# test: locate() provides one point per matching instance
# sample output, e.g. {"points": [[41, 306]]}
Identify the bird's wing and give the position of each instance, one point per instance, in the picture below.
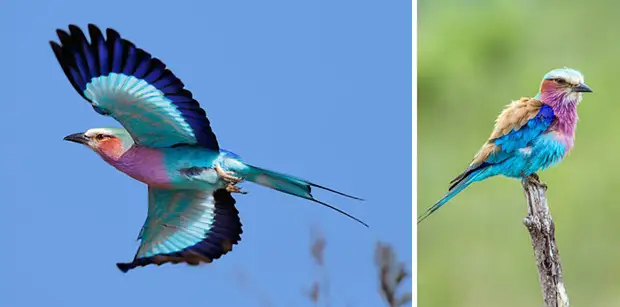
{"points": [[186, 226], [128, 84], [518, 124]]}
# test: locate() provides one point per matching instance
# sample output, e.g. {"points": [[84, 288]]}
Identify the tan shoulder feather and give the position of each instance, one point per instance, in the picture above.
{"points": [[513, 117]]}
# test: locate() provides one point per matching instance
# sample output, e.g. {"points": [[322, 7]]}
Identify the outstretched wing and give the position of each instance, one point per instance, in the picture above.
{"points": [[186, 226], [518, 124], [128, 84]]}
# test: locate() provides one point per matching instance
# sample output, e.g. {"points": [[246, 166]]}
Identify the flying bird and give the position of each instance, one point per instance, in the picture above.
{"points": [[167, 143], [530, 134]]}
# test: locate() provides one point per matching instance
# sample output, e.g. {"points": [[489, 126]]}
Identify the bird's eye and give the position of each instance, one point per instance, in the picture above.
{"points": [[99, 137], [560, 81]]}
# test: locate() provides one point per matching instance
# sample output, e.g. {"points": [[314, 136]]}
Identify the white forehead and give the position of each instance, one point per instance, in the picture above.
{"points": [[106, 131], [570, 75]]}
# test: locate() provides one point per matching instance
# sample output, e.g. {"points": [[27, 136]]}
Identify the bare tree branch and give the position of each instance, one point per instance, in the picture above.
{"points": [[542, 231]]}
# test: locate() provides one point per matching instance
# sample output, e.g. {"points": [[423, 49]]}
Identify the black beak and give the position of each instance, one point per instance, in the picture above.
{"points": [[582, 88], [79, 138]]}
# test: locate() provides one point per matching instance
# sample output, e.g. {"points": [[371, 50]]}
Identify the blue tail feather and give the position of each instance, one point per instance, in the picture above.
{"points": [[292, 185], [456, 188]]}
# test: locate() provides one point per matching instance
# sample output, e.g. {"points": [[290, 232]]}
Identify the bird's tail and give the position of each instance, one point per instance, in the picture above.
{"points": [[291, 185], [457, 187]]}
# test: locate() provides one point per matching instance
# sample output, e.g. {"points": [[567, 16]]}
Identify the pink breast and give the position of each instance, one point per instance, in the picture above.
{"points": [[145, 165]]}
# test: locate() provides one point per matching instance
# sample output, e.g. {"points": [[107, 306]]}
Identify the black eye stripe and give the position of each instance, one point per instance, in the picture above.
{"points": [[562, 81]]}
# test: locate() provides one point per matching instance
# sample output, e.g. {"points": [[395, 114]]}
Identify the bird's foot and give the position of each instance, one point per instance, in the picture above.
{"points": [[232, 188], [535, 180], [231, 180], [227, 175]]}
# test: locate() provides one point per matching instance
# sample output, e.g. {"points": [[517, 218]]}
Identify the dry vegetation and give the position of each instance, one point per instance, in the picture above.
{"points": [[391, 273]]}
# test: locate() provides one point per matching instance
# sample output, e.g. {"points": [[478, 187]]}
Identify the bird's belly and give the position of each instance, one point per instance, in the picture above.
{"points": [[544, 151]]}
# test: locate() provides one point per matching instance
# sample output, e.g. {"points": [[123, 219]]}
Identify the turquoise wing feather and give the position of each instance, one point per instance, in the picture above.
{"points": [[128, 84], [186, 226]]}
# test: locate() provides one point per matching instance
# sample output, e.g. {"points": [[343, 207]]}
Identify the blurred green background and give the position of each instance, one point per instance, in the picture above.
{"points": [[474, 57]]}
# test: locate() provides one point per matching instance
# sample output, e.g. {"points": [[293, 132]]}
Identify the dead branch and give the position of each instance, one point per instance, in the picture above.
{"points": [[542, 231]]}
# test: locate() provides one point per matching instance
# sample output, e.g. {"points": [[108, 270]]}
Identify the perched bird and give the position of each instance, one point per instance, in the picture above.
{"points": [[530, 134], [167, 143]]}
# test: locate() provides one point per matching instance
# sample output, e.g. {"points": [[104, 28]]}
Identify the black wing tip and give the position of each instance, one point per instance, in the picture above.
{"points": [[57, 49], [125, 267], [77, 34], [112, 33], [74, 31], [93, 27], [64, 37]]}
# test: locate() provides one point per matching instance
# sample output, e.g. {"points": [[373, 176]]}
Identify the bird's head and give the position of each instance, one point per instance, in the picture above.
{"points": [[108, 142], [563, 86]]}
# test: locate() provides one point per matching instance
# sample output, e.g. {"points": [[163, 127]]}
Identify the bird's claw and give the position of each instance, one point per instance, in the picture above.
{"points": [[231, 180], [227, 175], [535, 180], [232, 188]]}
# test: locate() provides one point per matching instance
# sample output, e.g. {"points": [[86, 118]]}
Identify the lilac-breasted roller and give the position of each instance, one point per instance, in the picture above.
{"points": [[167, 143], [530, 134]]}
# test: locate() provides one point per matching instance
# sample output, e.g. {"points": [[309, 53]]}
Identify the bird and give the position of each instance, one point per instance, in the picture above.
{"points": [[530, 135], [166, 142]]}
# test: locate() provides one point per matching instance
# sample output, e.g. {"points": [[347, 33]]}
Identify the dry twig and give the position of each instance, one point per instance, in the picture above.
{"points": [[542, 231], [391, 275], [320, 286]]}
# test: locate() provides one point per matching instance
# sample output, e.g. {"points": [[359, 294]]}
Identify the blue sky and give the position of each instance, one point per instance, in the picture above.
{"points": [[317, 89]]}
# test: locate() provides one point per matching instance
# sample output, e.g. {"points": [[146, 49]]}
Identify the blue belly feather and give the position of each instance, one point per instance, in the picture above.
{"points": [[541, 153]]}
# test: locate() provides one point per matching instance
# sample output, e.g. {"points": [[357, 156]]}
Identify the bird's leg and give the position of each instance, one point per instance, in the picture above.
{"points": [[231, 180], [534, 179], [226, 175]]}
